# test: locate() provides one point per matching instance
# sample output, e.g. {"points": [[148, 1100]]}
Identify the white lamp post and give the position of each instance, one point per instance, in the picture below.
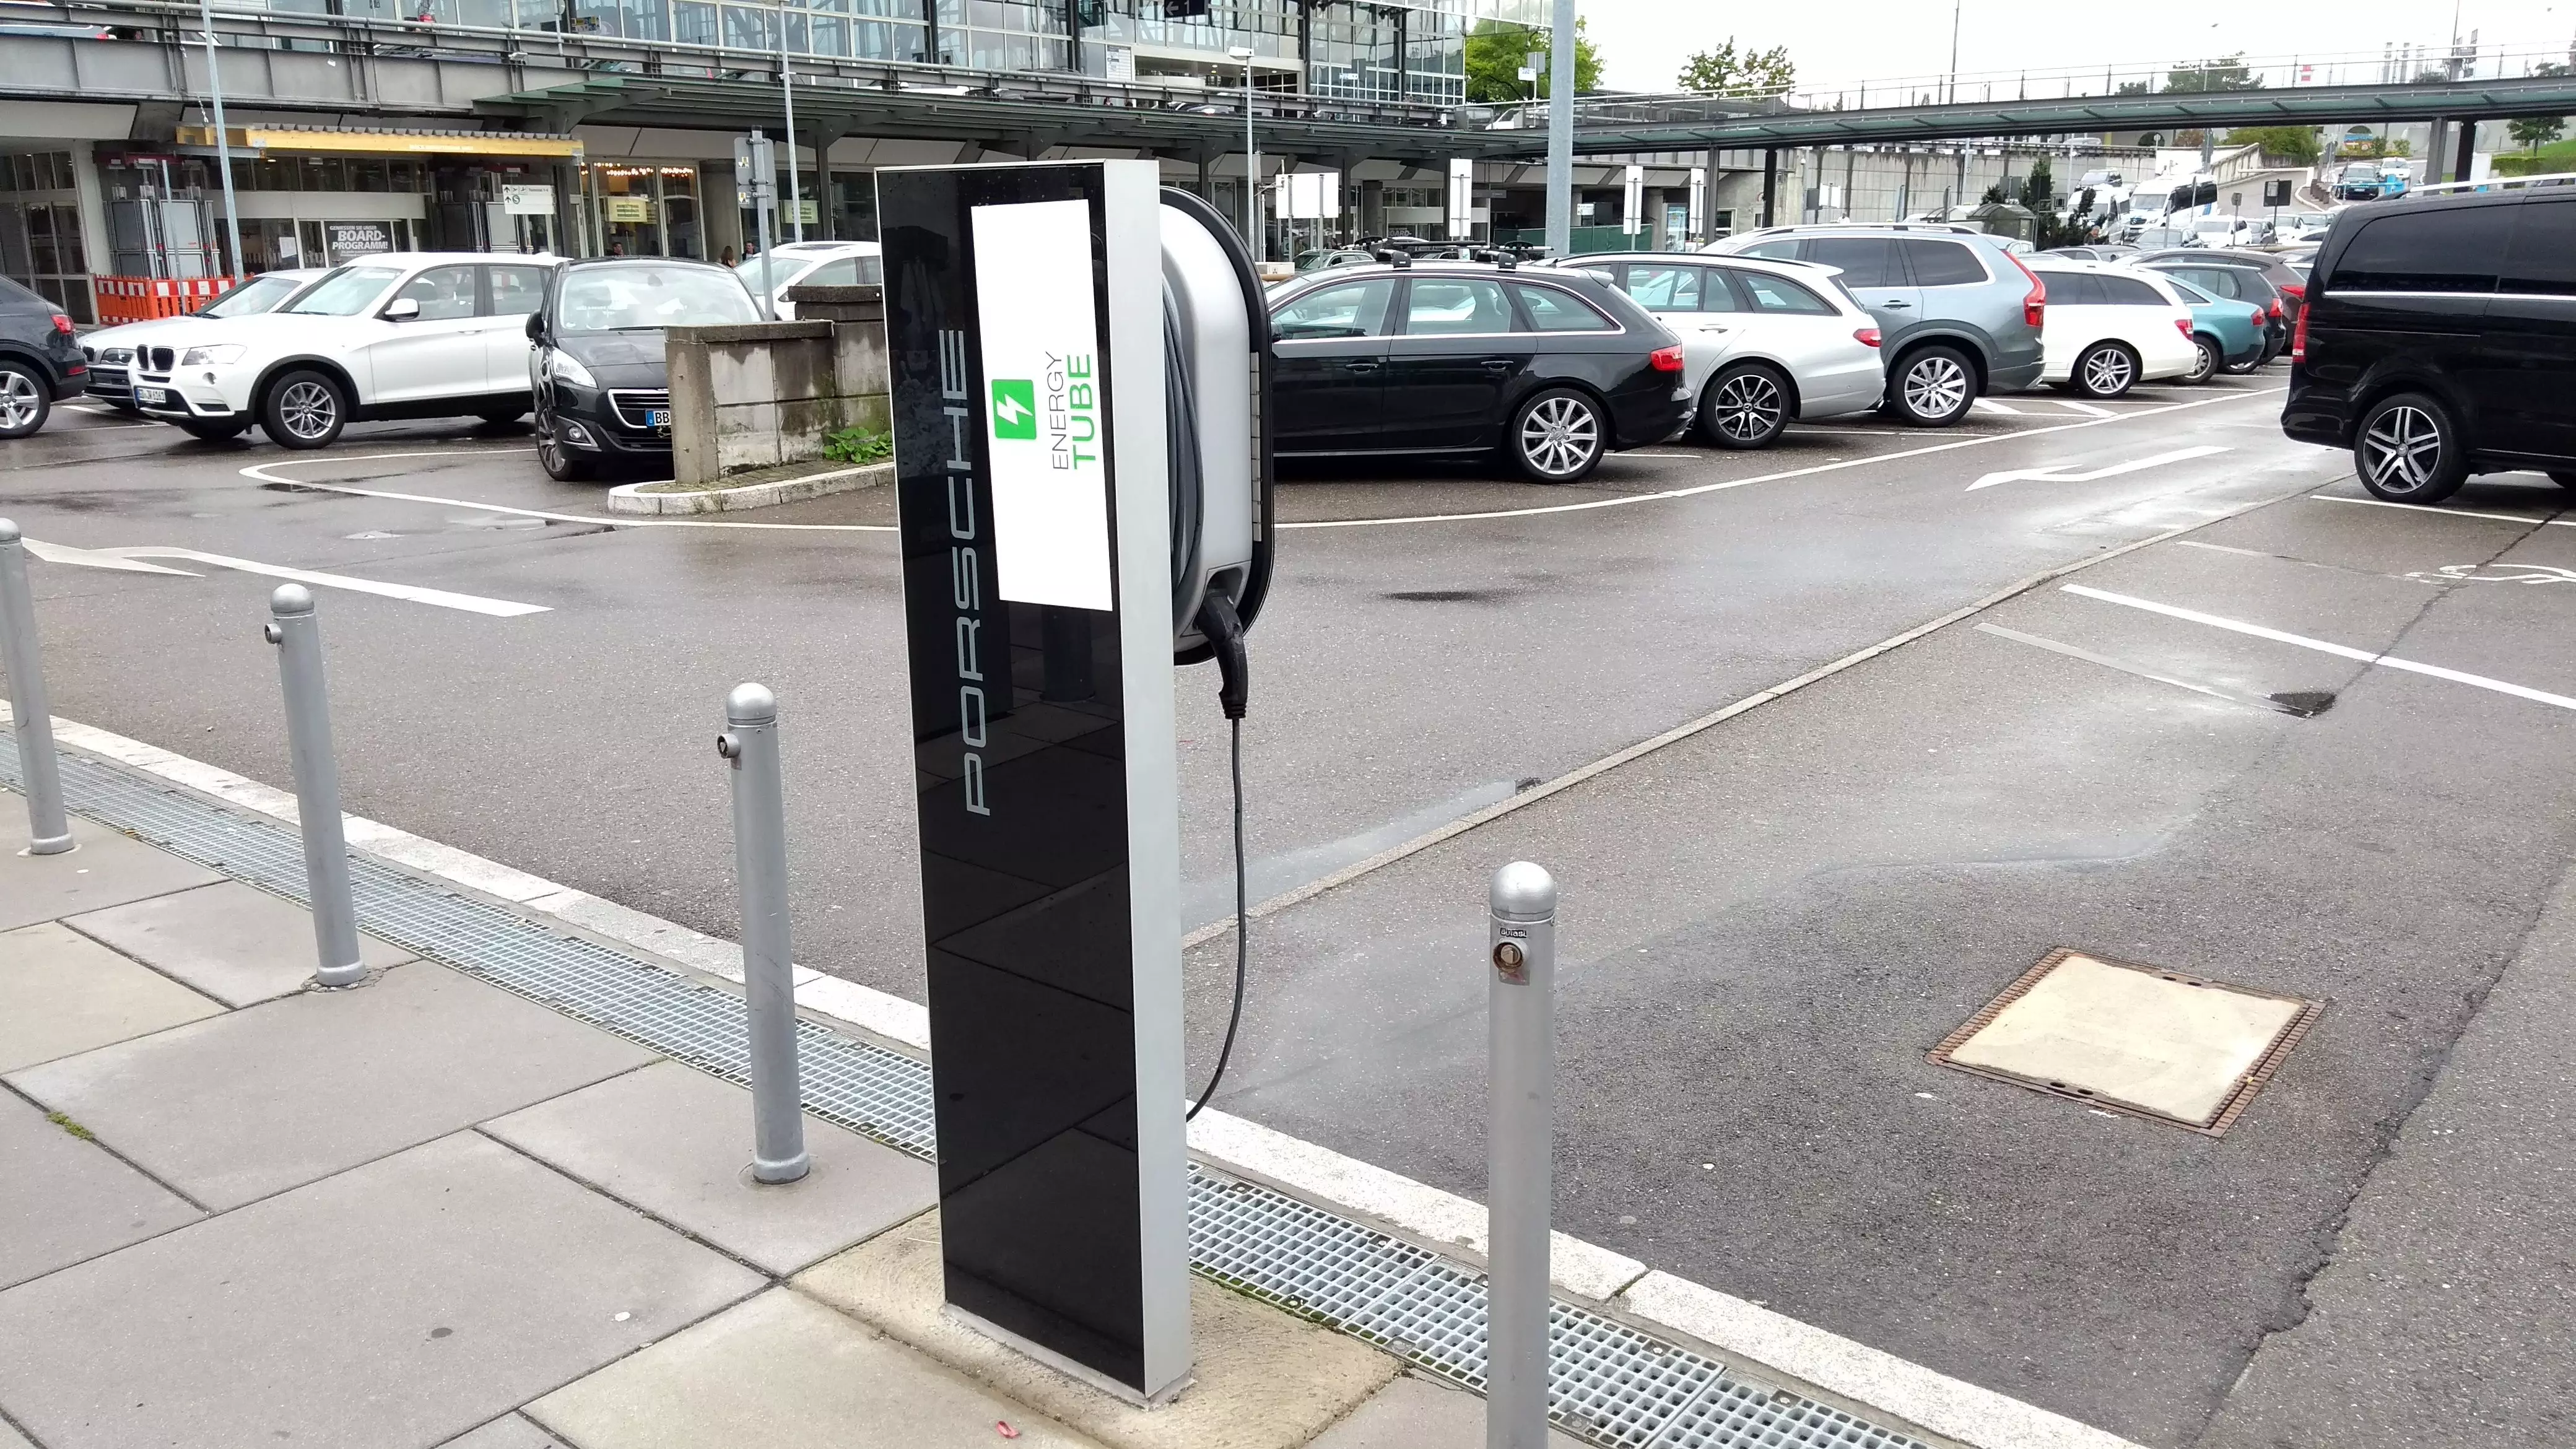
{"points": [[1251, 159]]}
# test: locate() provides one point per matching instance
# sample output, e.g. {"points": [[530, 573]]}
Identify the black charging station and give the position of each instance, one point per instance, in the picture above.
{"points": [[1079, 372]]}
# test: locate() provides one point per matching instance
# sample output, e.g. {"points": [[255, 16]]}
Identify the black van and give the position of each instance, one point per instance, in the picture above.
{"points": [[2439, 340]]}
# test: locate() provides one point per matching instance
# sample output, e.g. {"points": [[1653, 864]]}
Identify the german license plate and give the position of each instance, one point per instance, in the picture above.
{"points": [[659, 419], [153, 396]]}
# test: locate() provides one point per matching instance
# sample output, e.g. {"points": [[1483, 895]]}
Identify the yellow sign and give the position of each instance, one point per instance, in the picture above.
{"points": [[629, 208], [387, 143]]}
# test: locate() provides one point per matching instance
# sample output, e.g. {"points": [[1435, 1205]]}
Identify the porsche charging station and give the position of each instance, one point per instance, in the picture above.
{"points": [[1079, 364]]}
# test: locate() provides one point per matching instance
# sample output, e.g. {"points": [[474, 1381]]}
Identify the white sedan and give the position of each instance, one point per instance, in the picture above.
{"points": [[810, 264], [1763, 341], [397, 335], [2106, 329]]}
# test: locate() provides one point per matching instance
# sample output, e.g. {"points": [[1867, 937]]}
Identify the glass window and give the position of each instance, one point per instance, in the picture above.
{"points": [[2072, 289], [2130, 292], [1779, 294], [2220, 281], [251, 298], [641, 296], [1553, 311], [1354, 309], [444, 293], [1719, 294], [1941, 263], [2543, 256], [516, 291], [2426, 251], [1866, 261], [1661, 288], [1776, 250], [2190, 293], [346, 292], [1455, 306]]}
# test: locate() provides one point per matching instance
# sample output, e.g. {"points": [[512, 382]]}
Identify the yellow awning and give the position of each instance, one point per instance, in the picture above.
{"points": [[387, 143]]}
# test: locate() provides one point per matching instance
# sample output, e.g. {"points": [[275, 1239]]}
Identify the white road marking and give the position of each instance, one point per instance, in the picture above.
{"points": [[1989, 405], [2214, 691], [2341, 651], [2496, 573], [1628, 500], [124, 559], [2445, 512], [2060, 475], [258, 472], [2085, 408]]}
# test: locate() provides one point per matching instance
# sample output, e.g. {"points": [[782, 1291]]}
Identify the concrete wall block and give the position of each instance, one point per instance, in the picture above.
{"points": [[742, 371], [693, 412], [801, 369], [859, 357]]}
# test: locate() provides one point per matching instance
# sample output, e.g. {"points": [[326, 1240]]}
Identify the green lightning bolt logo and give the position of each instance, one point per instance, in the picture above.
{"points": [[1015, 409]]}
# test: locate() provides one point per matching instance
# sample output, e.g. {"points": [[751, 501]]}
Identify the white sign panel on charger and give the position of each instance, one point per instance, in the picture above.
{"points": [[1033, 280]]}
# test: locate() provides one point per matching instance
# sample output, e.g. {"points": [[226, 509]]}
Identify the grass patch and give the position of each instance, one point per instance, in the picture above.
{"points": [[70, 1126]]}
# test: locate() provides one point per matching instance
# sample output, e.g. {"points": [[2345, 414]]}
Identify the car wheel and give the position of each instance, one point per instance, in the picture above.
{"points": [[2563, 480], [2106, 370], [1557, 436], [2206, 360], [2409, 450], [1744, 407], [25, 400], [213, 431], [561, 463], [303, 410], [502, 415], [1932, 387]]}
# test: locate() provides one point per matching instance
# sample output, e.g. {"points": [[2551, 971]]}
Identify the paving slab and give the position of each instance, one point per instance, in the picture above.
{"points": [[510, 1431], [63, 993], [234, 942], [784, 1372], [65, 1199], [677, 1143], [12, 1439], [276, 1095], [1265, 1378], [103, 868], [1416, 1413], [394, 1306]]}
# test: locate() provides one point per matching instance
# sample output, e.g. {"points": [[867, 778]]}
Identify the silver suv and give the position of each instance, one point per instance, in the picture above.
{"points": [[1959, 312]]}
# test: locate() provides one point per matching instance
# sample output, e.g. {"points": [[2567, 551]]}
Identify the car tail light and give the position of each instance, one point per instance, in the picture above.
{"points": [[2035, 301], [62, 324], [2299, 338], [2297, 291], [1665, 359], [1868, 337], [2276, 309], [2183, 326]]}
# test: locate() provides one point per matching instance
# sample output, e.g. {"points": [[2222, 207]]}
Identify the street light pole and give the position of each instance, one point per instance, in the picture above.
{"points": [[1560, 132], [223, 141], [1955, 7], [787, 91], [1251, 160]]}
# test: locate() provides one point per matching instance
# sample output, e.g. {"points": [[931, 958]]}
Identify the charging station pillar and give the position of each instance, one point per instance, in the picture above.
{"points": [[1024, 314]]}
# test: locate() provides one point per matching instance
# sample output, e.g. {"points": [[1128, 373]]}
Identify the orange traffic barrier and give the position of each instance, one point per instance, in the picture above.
{"points": [[141, 299]]}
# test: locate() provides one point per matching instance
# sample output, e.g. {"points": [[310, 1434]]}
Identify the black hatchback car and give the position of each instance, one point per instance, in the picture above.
{"points": [[603, 392], [1549, 370], [2439, 341], [39, 360]]}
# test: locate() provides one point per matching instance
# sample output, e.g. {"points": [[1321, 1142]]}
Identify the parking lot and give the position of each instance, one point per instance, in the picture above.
{"points": [[2154, 720]]}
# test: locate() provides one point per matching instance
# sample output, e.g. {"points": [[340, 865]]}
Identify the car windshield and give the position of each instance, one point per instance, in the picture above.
{"points": [[251, 298], [786, 267], [346, 292], [641, 297]]}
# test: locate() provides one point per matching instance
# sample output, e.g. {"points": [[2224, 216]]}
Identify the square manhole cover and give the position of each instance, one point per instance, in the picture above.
{"points": [[2132, 1038]]}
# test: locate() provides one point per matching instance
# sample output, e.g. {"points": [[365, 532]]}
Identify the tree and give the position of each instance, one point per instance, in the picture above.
{"points": [[2226, 73], [2291, 143], [1497, 49], [1726, 71], [2535, 132]]}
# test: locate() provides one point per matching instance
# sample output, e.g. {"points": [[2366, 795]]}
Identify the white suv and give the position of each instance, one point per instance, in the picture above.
{"points": [[400, 335], [813, 263]]}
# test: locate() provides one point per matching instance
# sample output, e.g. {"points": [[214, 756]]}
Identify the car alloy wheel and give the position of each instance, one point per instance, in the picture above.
{"points": [[308, 410], [2205, 360], [561, 463], [1559, 437], [1936, 387], [2106, 371], [23, 403], [2401, 451], [1747, 408]]}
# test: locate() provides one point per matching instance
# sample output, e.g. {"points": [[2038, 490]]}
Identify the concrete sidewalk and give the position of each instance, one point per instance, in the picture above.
{"points": [[425, 1211]]}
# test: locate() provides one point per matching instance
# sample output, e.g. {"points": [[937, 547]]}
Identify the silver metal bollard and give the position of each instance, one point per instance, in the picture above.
{"points": [[1520, 1154], [297, 632], [48, 833], [760, 866]]}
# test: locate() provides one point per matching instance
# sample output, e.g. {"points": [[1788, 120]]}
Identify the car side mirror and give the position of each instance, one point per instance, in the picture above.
{"points": [[402, 309], [536, 327]]}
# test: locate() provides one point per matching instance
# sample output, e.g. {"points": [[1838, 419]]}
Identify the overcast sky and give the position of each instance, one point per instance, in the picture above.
{"points": [[1642, 41]]}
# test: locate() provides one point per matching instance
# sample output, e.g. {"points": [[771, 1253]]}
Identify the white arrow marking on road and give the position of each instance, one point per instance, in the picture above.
{"points": [[125, 559], [2061, 475]]}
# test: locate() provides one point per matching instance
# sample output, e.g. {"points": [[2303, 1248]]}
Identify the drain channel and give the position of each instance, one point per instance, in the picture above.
{"points": [[1609, 1384]]}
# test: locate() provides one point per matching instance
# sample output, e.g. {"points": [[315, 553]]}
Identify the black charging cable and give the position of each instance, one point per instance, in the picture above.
{"points": [[1224, 632]]}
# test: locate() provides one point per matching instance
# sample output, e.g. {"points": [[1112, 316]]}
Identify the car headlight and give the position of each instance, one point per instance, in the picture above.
{"points": [[213, 354], [564, 367]]}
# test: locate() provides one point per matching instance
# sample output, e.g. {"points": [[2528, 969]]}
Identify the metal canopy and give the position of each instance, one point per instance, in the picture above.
{"points": [[990, 115], [1664, 125]]}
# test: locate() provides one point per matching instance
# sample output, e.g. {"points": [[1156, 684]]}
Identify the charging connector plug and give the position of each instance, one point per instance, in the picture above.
{"points": [[1224, 633]]}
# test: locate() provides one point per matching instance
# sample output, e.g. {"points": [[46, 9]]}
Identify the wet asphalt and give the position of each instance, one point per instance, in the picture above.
{"points": [[1766, 924]]}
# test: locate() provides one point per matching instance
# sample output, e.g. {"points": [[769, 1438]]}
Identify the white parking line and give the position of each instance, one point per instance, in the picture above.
{"points": [[122, 559], [1989, 405], [2445, 512], [258, 472], [2341, 651], [2086, 408]]}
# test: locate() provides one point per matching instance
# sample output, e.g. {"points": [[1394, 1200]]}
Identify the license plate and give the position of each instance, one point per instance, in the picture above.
{"points": [[659, 419], [153, 396]]}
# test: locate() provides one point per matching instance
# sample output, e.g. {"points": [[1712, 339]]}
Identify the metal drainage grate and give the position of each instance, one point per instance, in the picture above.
{"points": [[1609, 1383]]}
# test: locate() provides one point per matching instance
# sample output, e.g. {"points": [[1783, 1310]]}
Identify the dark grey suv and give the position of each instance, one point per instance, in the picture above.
{"points": [[1959, 312]]}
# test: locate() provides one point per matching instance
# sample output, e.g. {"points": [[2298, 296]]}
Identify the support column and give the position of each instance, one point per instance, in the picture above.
{"points": [[826, 201], [1770, 183], [2465, 159]]}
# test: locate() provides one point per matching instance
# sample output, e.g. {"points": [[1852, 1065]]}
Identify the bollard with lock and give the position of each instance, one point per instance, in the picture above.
{"points": [[1520, 1153]]}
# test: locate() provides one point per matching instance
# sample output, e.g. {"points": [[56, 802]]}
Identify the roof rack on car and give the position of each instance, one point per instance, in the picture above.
{"points": [[1399, 260], [1500, 258]]}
